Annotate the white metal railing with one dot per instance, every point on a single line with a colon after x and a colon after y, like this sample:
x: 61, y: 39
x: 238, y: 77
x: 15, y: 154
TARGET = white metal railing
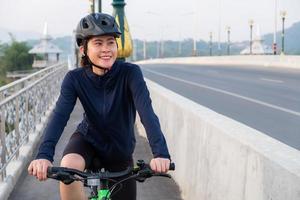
x: 11, y: 88
x: 20, y: 73
x: 24, y: 104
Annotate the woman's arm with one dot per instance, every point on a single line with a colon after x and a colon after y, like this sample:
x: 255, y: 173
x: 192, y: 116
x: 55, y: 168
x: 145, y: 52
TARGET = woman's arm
x: 58, y: 118
x: 149, y: 119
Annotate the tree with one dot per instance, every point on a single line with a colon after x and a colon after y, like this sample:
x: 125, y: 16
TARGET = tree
x: 2, y: 70
x: 16, y: 57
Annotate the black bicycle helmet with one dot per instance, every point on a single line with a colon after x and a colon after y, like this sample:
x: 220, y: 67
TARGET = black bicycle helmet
x: 96, y: 24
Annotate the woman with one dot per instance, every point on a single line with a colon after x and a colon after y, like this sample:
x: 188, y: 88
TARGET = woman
x: 110, y: 92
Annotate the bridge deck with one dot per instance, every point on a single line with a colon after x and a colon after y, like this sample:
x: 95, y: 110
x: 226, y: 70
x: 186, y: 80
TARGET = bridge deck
x: 28, y: 188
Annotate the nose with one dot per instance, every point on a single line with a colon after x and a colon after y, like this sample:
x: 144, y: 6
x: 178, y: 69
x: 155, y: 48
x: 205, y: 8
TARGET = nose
x: 105, y: 48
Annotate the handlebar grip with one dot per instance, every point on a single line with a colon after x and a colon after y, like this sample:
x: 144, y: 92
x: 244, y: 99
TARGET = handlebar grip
x: 54, y: 170
x: 51, y: 170
x: 172, y: 166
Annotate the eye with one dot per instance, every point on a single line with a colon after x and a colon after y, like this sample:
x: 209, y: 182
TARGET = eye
x: 97, y: 43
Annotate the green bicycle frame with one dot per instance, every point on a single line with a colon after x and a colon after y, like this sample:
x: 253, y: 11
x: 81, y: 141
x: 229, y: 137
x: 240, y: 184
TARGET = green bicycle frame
x: 103, y: 192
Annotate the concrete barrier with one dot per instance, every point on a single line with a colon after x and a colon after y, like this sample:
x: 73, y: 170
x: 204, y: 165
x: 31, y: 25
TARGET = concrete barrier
x: 266, y: 61
x: 218, y: 158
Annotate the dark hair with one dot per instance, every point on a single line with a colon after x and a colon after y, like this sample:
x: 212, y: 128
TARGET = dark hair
x: 84, y: 61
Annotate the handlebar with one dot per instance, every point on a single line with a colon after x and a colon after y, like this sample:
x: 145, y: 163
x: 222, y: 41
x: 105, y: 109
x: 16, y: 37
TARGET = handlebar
x: 140, y: 172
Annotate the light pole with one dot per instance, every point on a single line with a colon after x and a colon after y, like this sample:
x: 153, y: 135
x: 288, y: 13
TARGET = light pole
x: 210, y: 43
x: 124, y: 41
x: 92, y: 6
x: 179, y: 48
x: 228, y: 40
x: 283, y: 15
x: 134, y: 53
x: 219, y: 29
x: 99, y: 6
x: 251, y: 22
x: 157, y: 49
x: 275, y: 29
x: 194, y: 47
x: 144, y: 49
x: 95, y: 6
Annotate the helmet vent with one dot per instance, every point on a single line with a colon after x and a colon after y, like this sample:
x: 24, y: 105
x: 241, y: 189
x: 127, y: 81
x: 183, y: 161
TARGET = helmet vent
x: 85, y: 24
x: 104, y: 22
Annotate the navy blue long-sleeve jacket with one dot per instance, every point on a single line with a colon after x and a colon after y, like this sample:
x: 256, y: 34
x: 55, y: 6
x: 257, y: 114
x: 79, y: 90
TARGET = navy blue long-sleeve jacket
x: 110, y: 102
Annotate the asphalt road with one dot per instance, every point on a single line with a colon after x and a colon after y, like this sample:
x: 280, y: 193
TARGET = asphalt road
x: 267, y: 99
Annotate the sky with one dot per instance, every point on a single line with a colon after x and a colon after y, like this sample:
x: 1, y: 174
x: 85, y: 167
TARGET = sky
x: 155, y: 19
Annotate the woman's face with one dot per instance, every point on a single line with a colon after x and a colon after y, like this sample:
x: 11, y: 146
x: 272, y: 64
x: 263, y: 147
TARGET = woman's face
x: 102, y: 50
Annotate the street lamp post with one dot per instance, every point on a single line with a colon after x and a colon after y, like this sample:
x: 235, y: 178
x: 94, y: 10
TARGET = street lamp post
x: 99, y: 6
x: 92, y: 6
x: 95, y: 6
x: 194, y: 47
x: 228, y: 40
x: 219, y: 29
x: 157, y: 49
x: 162, y: 48
x: 179, y: 47
x: 145, y: 49
x: 210, y: 43
x: 124, y: 41
x: 251, y: 22
x: 275, y: 29
x: 283, y: 15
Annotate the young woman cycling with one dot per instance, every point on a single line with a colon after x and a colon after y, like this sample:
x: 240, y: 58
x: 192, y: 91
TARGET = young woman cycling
x: 110, y: 92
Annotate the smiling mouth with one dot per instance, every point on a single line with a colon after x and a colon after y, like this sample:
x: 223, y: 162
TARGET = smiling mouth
x: 105, y: 57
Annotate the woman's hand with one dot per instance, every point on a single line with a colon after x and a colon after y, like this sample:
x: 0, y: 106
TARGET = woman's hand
x: 38, y: 168
x: 160, y: 165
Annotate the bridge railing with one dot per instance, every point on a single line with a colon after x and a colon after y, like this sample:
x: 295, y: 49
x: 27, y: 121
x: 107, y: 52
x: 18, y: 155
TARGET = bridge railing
x: 11, y: 88
x: 21, y: 73
x: 23, y: 104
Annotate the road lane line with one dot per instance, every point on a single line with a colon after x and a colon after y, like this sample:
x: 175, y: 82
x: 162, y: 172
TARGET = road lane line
x: 228, y: 93
x: 271, y: 80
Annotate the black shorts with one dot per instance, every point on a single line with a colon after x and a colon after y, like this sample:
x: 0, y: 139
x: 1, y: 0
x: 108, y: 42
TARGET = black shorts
x: 77, y: 144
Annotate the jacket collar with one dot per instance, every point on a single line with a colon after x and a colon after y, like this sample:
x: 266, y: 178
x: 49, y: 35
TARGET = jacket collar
x: 99, y: 78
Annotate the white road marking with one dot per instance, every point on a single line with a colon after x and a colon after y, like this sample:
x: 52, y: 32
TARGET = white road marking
x: 271, y: 80
x: 228, y: 93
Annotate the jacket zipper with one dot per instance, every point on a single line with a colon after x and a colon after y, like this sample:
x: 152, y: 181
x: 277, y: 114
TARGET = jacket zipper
x: 104, y: 104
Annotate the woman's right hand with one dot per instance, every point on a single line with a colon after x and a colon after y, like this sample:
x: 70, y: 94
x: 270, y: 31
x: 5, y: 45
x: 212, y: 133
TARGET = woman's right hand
x: 38, y: 168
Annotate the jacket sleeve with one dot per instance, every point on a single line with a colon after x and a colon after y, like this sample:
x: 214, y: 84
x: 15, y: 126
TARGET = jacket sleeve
x: 150, y: 121
x: 58, y: 118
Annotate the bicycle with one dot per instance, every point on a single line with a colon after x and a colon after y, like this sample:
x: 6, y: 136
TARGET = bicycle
x: 98, y: 182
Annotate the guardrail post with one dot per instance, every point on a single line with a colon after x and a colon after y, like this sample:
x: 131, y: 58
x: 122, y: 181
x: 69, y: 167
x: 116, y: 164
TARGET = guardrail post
x: 17, y: 130
x: 3, y: 145
x: 27, y: 117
